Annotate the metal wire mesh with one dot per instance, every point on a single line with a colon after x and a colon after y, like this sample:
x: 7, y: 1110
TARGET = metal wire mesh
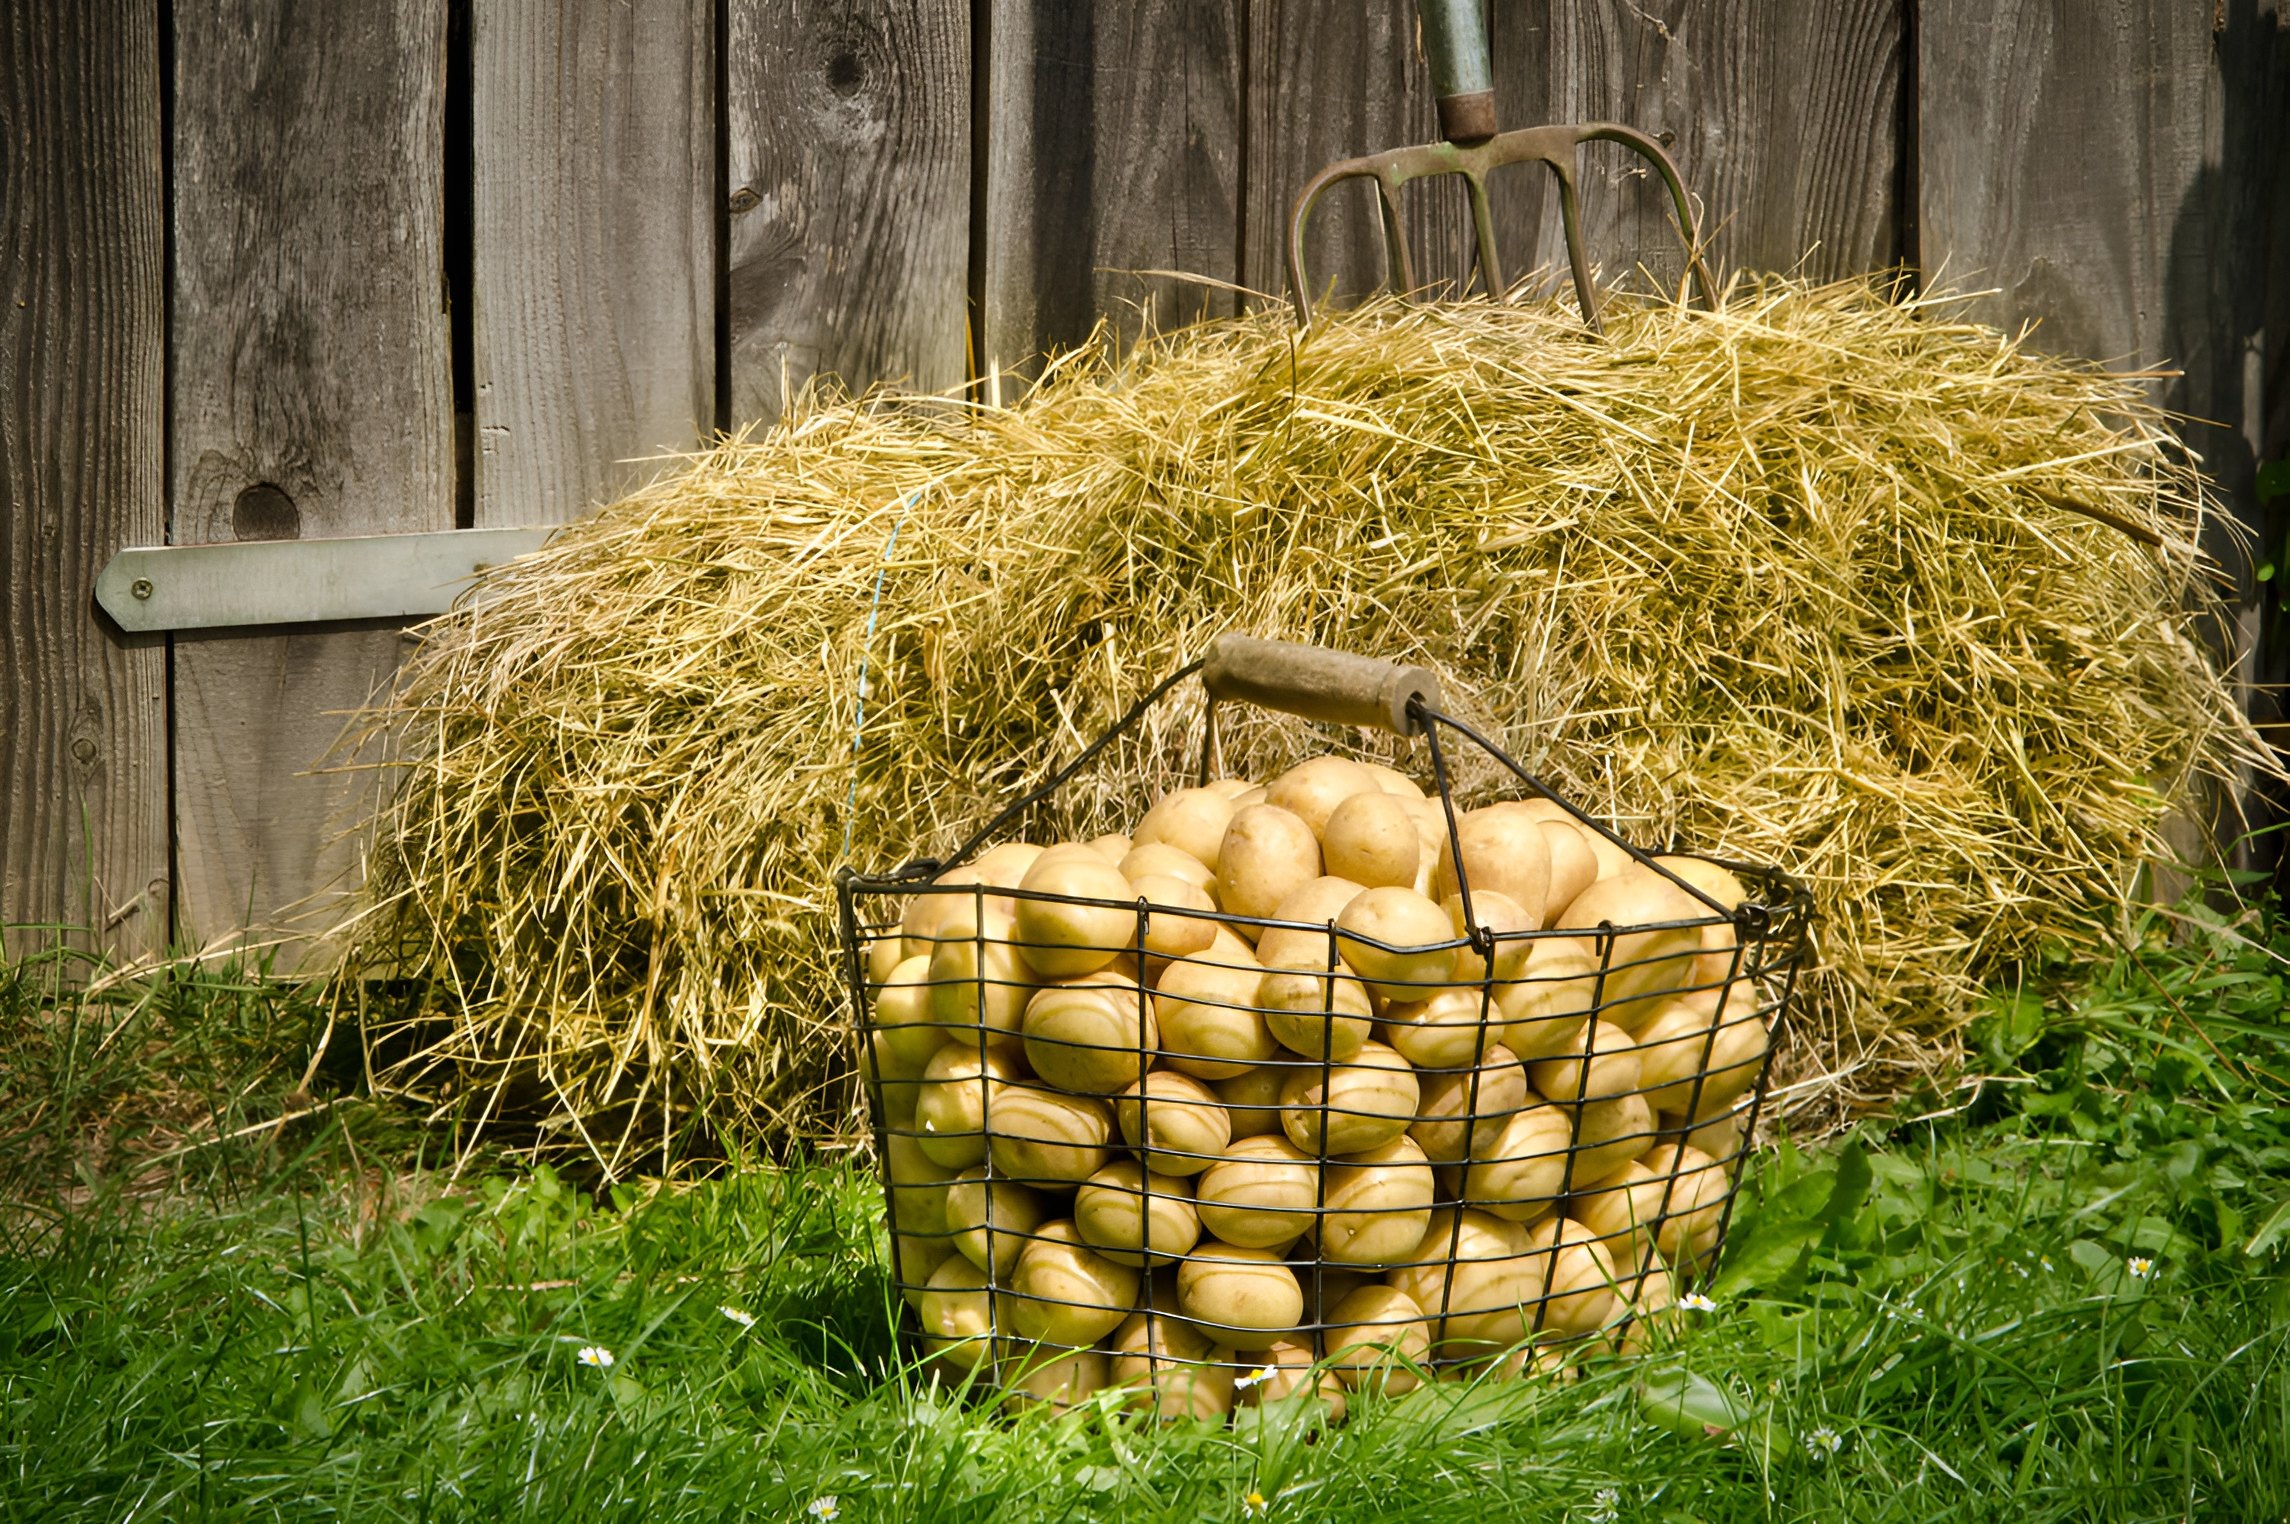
x: 1146, y: 1158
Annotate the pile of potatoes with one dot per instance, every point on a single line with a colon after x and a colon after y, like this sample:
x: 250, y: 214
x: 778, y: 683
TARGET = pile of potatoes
x: 1243, y: 1101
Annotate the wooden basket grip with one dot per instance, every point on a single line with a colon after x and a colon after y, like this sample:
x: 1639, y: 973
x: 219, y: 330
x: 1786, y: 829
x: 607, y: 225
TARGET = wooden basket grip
x: 1317, y: 683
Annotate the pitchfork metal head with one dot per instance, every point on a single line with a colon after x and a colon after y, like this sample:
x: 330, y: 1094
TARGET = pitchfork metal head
x: 1455, y: 45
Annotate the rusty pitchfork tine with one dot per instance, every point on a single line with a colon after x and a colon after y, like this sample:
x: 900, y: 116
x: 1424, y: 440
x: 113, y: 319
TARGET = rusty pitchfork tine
x: 1556, y: 147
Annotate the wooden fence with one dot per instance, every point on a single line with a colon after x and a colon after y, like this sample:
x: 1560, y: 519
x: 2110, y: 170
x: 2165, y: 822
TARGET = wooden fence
x: 283, y: 268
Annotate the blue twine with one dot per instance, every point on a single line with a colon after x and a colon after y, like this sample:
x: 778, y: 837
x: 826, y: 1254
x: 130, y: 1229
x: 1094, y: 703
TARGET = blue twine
x: 859, y: 708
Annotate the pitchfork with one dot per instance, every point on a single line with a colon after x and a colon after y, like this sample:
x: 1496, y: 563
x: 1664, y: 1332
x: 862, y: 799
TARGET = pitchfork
x: 1455, y: 44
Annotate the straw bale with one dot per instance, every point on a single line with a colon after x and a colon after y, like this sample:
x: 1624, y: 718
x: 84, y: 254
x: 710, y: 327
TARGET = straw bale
x: 1850, y: 586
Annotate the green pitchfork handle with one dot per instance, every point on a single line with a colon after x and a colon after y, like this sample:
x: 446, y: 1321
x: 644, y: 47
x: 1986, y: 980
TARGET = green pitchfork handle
x: 1462, y: 72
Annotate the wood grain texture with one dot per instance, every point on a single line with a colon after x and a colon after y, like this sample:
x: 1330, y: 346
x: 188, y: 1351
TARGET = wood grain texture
x: 1326, y: 83
x: 2110, y: 176
x: 849, y: 194
x: 593, y: 248
x: 83, y: 768
x: 1783, y: 116
x: 1112, y: 146
x: 311, y: 397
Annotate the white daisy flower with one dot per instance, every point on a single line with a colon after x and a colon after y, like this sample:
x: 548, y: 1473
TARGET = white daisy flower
x: 743, y: 1319
x: 2141, y: 1267
x: 1823, y: 1442
x: 824, y: 1508
x: 1257, y: 1377
x: 596, y: 1355
x: 1694, y: 1301
x: 1254, y: 1506
x: 1605, y: 1506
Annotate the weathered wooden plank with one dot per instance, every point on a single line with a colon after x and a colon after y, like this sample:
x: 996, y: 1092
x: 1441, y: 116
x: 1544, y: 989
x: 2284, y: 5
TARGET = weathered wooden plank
x: 83, y: 767
x: 1326, y: 83
x: 2108, y: 175
x: 311, y: 397
x: 1784, y: 117
x: 593, y: 248
x: 849, y: 194
x: 1112, y: 146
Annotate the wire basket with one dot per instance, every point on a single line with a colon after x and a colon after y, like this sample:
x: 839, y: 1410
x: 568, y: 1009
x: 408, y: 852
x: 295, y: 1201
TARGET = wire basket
x: 1131, y: 1136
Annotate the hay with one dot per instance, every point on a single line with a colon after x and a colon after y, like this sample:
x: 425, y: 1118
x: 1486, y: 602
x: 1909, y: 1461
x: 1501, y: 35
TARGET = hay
x: 1852, y: 587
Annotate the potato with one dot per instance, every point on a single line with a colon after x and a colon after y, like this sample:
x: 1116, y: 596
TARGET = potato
x: 1177, y: 925
x: 914, y: 1261
x: 915, y: 1187
x: 1680, y: 1049
x: 1005, y: 865
x: 1134, y: 1217
x: 1244, y: 1297
x: 1698, y: 1195
x: 1261, y: 1194
x: 885, y: 951
x: 1176, y: 1123
x: 1451, y: 1119
x: 1047, y: 1376
x: 958, y: 1313
x: 1159, y: 860
x: 1394, y: 782
x: 1716, y: 962
x: 1648, y: 1295
x: 1253, y: 794
x: 1311, y: 790
x: 1504, y: 850
x: 1112, y: 846
x: 1267, y: 854
x: 1094, y: 1035
x: 925, y: 913
x: 1041, y: 1137
x: 1378, y: 1206
x: 1252, y: 1100
x: 1399, y: 942
x: 1288, y: 1372
x: 1501, y: 915
x: 1574, y: 866
x: 1641, y: 963
x: 1173, y: 1369
x: 1620, y: 1209
x: 1612, y: 856
x: 990, y: 1219
x: 1604, y: 1066
x: 1551, y: 1003
x: 1491, y: 1289
x: 1715, y: 1129
x: 1320, y: 1015
x: 892, y: 1085
x: 1064, y: 1292
x: 1231, y: 788
x: 1061, y: 940
x: 979, y: 985
x: 1325, y: 1285
x: 1607, y: 1134
x: 1191, y: 821
x: 1377, y: 1340
x: 1205, y: 1006
x: 1581, y: 1277
x: 1366, y: 1101
x: 1524, y: 1170
x: 901, y: 1018
x: 1313, y: 906
x: 958, y: 1090
x: 1451, y: 1030
x: 1371, y: 839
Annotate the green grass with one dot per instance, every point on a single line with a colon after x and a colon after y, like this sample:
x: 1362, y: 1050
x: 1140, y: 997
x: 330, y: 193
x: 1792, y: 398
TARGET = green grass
x: 303, y: 1323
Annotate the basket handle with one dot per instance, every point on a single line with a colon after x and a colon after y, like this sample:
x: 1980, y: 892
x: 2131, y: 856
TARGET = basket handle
x: 1317, y: 683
